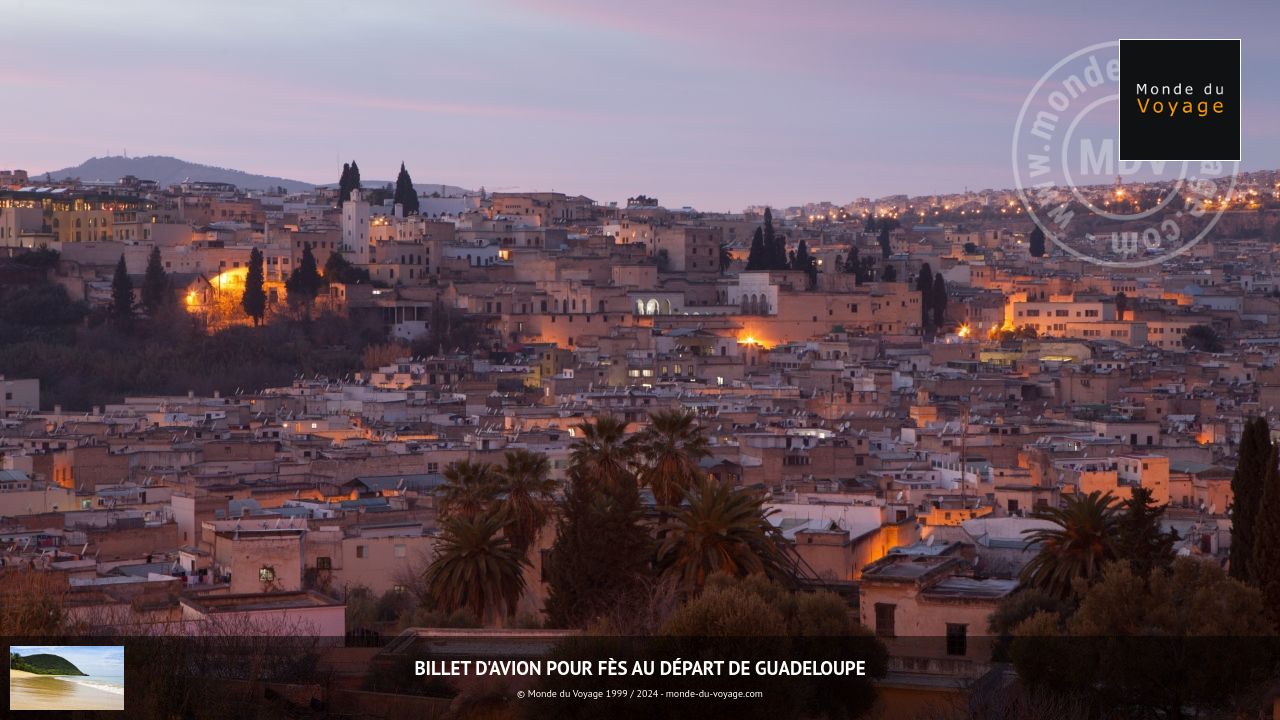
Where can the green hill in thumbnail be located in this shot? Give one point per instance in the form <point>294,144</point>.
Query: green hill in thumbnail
<point>43,664</point>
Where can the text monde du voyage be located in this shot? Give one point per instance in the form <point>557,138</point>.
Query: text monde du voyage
<point>644,668</point>
<point>1179,99</point>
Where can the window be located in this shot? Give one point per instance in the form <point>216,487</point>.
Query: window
<point>884,619</point>
<point>324,563</point>
<point>360,551</point>
<point>957,639</point>
<point>267,574</point>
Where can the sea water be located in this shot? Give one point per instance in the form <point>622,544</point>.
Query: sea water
<point>109,683</point>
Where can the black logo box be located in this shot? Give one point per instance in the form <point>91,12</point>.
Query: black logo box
<point>1186,65</point>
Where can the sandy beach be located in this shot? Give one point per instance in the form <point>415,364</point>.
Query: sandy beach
<point>28,691</point>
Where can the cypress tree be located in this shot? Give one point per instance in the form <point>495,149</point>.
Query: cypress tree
<point>155,284</point>
<point>775,247</point>
<point>885,249</point>
<point>601,555</point>
<point>1036,242</point>
<point>802,258</point>
<point>889,274</point>
<point>121,307</point>
<point>939,300</point>
<point>781,258</point>
<point>1265,564</point>
<point>924,285</point>
<point>254,300</point>
<point>304,282</point>
<point>405,195</point>
<point>344,183</point>
<point>355,176</point>
<point>851,262</point>
<point>756,259</point>
<point>1140,541</point>
<point>1246,487</point>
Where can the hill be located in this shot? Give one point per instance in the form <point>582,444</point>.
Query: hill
<point>43,664</point>
<point>170,171</point>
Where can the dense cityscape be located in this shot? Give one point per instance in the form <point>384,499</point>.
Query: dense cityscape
<point>377,415</point>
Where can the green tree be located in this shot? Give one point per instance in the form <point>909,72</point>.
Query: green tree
<point>1266,541</point>
<point>602,455</point>
<point>1083,541</point>
<point>1122,303</point>
<point>349,181</point>
<point>1035,242</point>
<point>970,249</point>
<point>469,488</point>
<point>254,299</point>
<point>40,257</point>
<point>304,283</point>
<point>337,269</point>
<point>1203,338</point>
<point>727,610</point>
<point>671,448</point>
<point>476,567</point>
<point>890,273</point>
<point>1246,489</point>
<point>601,558</point>
<point>406,196</point>
<point>1139,538</point>
<point>938,300</point>
<point>721,529</point>
<point>756,258</point>
<point>155,284</point>
<point>924,285</point>
<point>526,495</point>
<point>121,306</point>
<point>1190,637</point>
<point>886,249</point>
<point>775,246</point>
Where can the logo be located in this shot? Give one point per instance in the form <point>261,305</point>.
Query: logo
<point>1085,199</point>
<point>1180,99</point>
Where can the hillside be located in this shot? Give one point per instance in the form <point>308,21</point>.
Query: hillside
<point>170,171</point>
<point>43,664</point>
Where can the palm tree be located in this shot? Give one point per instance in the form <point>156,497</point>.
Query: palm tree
<point>526,495</point>
<point>1083,541</point>
<point>602,454</point>
<point>476,566</point>
<point>671,447</point>
<point>720,529</point>
<point>469,488</point>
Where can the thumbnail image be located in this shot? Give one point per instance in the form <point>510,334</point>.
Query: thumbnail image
<point>66,677</point>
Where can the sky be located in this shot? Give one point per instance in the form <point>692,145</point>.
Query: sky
<point>90,659</point>
<point>707,103</point>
